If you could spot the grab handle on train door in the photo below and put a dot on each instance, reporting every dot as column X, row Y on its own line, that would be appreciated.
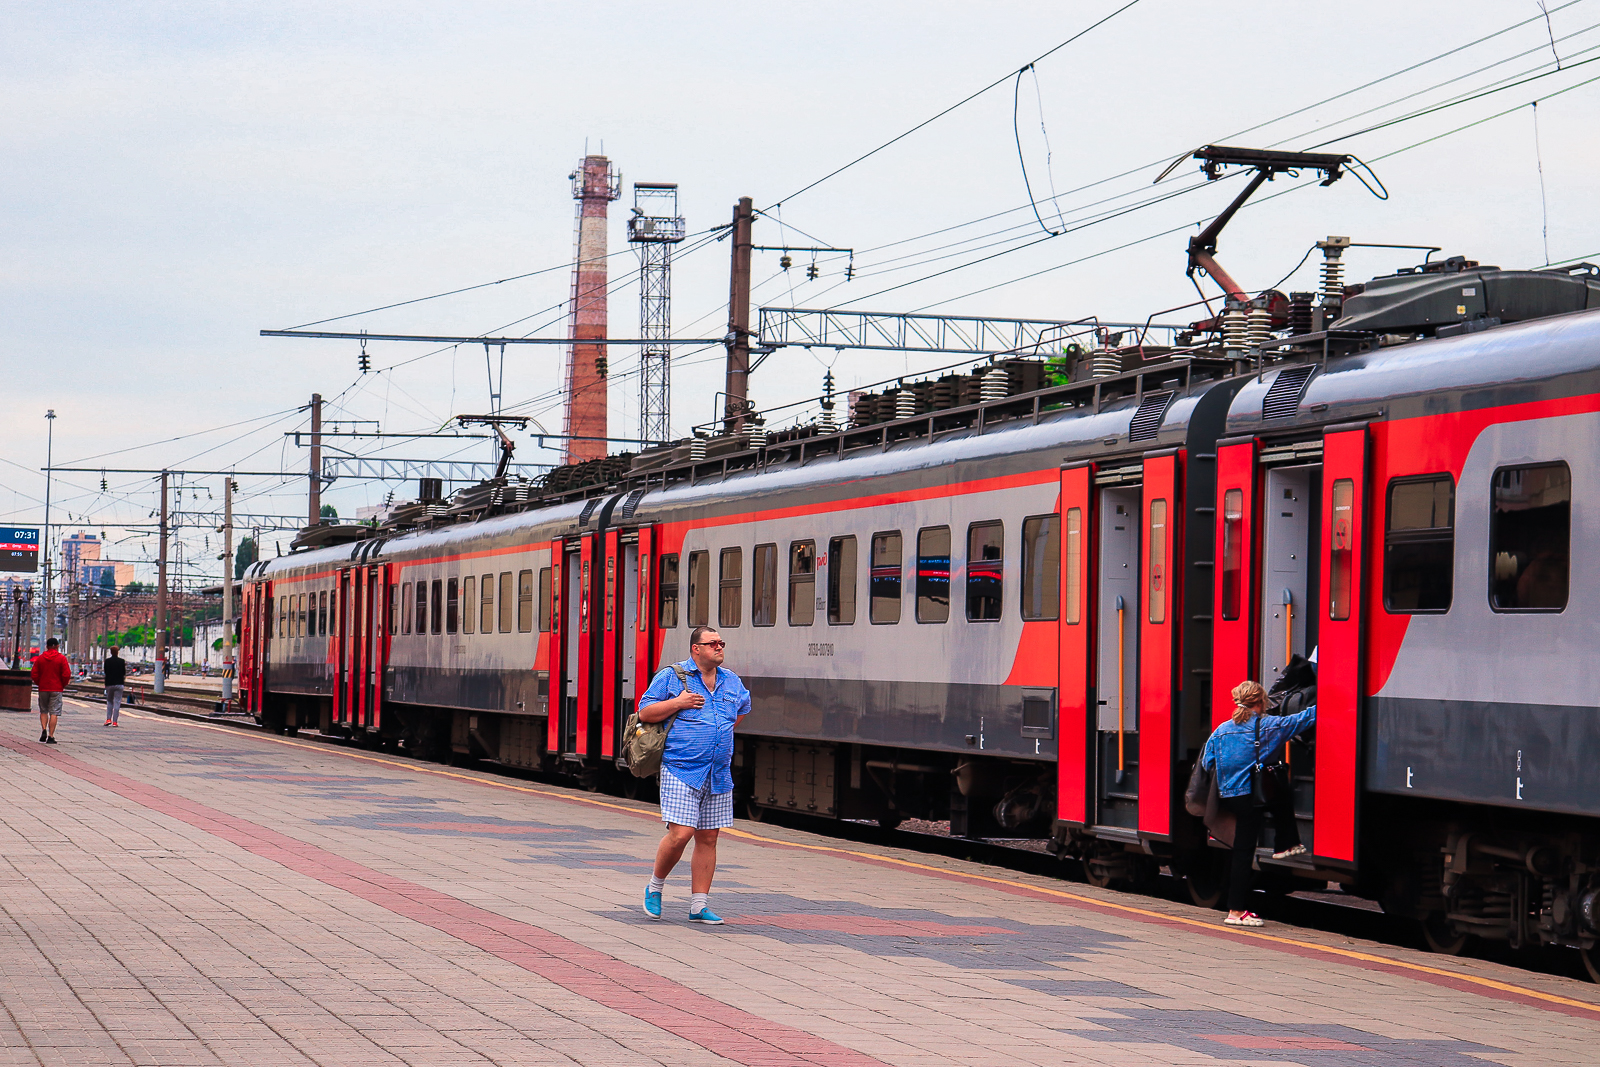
column 1288, row 642
column 1122, row 637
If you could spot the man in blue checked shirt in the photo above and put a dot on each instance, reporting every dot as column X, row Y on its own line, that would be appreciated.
column 696, row 768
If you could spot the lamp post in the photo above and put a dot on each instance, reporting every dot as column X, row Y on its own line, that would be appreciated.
column 49, row 453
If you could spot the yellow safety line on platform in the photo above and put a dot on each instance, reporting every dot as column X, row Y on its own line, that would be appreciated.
column 1364, row 957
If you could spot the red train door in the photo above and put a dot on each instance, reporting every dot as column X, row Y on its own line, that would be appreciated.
column 560, row 653
column 1160, row 609
column 584, row 714
column 341, row 648
column 1342, row 605
column 247, row 660
column 1075, row 744
column 644, row 619
column 378, row 641
column 610, row 644
column 358, row 647
column 1234, row 608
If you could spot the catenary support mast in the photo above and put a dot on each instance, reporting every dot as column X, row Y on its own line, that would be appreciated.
column 738, row 378
column 655, row 227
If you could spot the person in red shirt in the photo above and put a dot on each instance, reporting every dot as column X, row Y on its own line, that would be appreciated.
column 51, row 673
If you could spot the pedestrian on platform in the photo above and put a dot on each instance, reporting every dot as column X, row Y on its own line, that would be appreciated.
column 51, row 673
column 696, row 767
column 1234, row 753
column 116, row 679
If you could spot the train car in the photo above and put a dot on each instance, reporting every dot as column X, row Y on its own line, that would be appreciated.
column 1022, row 608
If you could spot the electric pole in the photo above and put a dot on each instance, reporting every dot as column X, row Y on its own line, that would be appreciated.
column 738, row 340
column 227, row 592
column 159, row 680
column 316, row 459
column 49, row 452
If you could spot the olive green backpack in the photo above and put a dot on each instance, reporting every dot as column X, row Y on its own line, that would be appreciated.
column 644, row 743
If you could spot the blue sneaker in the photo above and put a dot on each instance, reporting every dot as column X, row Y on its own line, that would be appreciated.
column 705, row 915
column 652, row 903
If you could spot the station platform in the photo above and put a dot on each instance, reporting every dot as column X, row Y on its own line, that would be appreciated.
column 175, row 892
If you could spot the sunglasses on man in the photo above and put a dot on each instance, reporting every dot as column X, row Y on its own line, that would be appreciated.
column 711, row 644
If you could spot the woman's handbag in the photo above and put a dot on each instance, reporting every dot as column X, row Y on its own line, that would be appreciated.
column 1194, row 797
column 1269, row 783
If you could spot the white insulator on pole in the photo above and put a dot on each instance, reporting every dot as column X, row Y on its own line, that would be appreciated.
column 905, row 402
column 996, row 384
column 1258, row 328
column 1235, row 327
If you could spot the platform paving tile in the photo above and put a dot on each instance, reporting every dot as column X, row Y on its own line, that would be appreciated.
column 199, row 894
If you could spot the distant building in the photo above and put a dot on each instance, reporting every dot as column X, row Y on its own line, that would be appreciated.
column 80, row 560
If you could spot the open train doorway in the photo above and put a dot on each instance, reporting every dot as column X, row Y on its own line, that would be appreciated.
column 1117, row 694
column 1290, row 561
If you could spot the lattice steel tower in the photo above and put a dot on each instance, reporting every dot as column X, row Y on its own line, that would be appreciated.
column 655, row 227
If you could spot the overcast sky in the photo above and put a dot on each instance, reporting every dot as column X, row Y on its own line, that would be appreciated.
column 179, row 176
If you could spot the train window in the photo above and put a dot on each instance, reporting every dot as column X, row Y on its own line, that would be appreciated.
column 506, row 604
column 436, row 616
column 1159, row 584
column 394, row 610
column 1232, row 551
column 883, row 604
column 1074, row 565
column 469, row 593
column 1041, row 562
column 1530, row 538
column 525, row 602
column 802, row 583
column 933, row 574
column 322, row 613
column 699, row 588
column 269, row 607
column 985, row 571
column 730, row 586
column 668, row 608
column 1342, row 549
column 405, row 608
column 842, row 581
column 452, row 605
column 302, row 611
column 283, row 615
column 545, row 586
column 1419, row 545
column 764, row 586
column 486, row 604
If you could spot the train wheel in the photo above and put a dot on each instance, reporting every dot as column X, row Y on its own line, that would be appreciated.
column 1591, row 961
column 1100, row 875
column 1440, row 938
column 1207, row 880
column 754, row 812
column 892, row 820
column 630, row 784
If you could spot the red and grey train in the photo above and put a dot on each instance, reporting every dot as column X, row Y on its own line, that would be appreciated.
column 1031, row 608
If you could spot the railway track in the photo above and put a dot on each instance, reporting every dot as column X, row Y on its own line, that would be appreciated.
column 1327, row 911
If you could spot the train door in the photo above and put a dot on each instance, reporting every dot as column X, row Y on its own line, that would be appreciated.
column 1342, row 608
column 1234, row 609
column 559, row 657
column 1161, row 606
column 358, row 647
column 1117, row 666
column 574, row 660
column 584, row 720
column 625, row 642
column 377, row 631
column 1076, row 575
column 341, row 649
column 611, row 631
column 643, row 614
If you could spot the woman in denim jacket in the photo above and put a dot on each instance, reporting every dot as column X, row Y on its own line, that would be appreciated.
column 1231, row 753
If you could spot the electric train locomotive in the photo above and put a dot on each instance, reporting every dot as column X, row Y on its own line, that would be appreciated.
column 1021, row 605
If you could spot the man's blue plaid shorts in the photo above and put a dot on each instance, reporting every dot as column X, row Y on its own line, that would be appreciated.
column 682, row 805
